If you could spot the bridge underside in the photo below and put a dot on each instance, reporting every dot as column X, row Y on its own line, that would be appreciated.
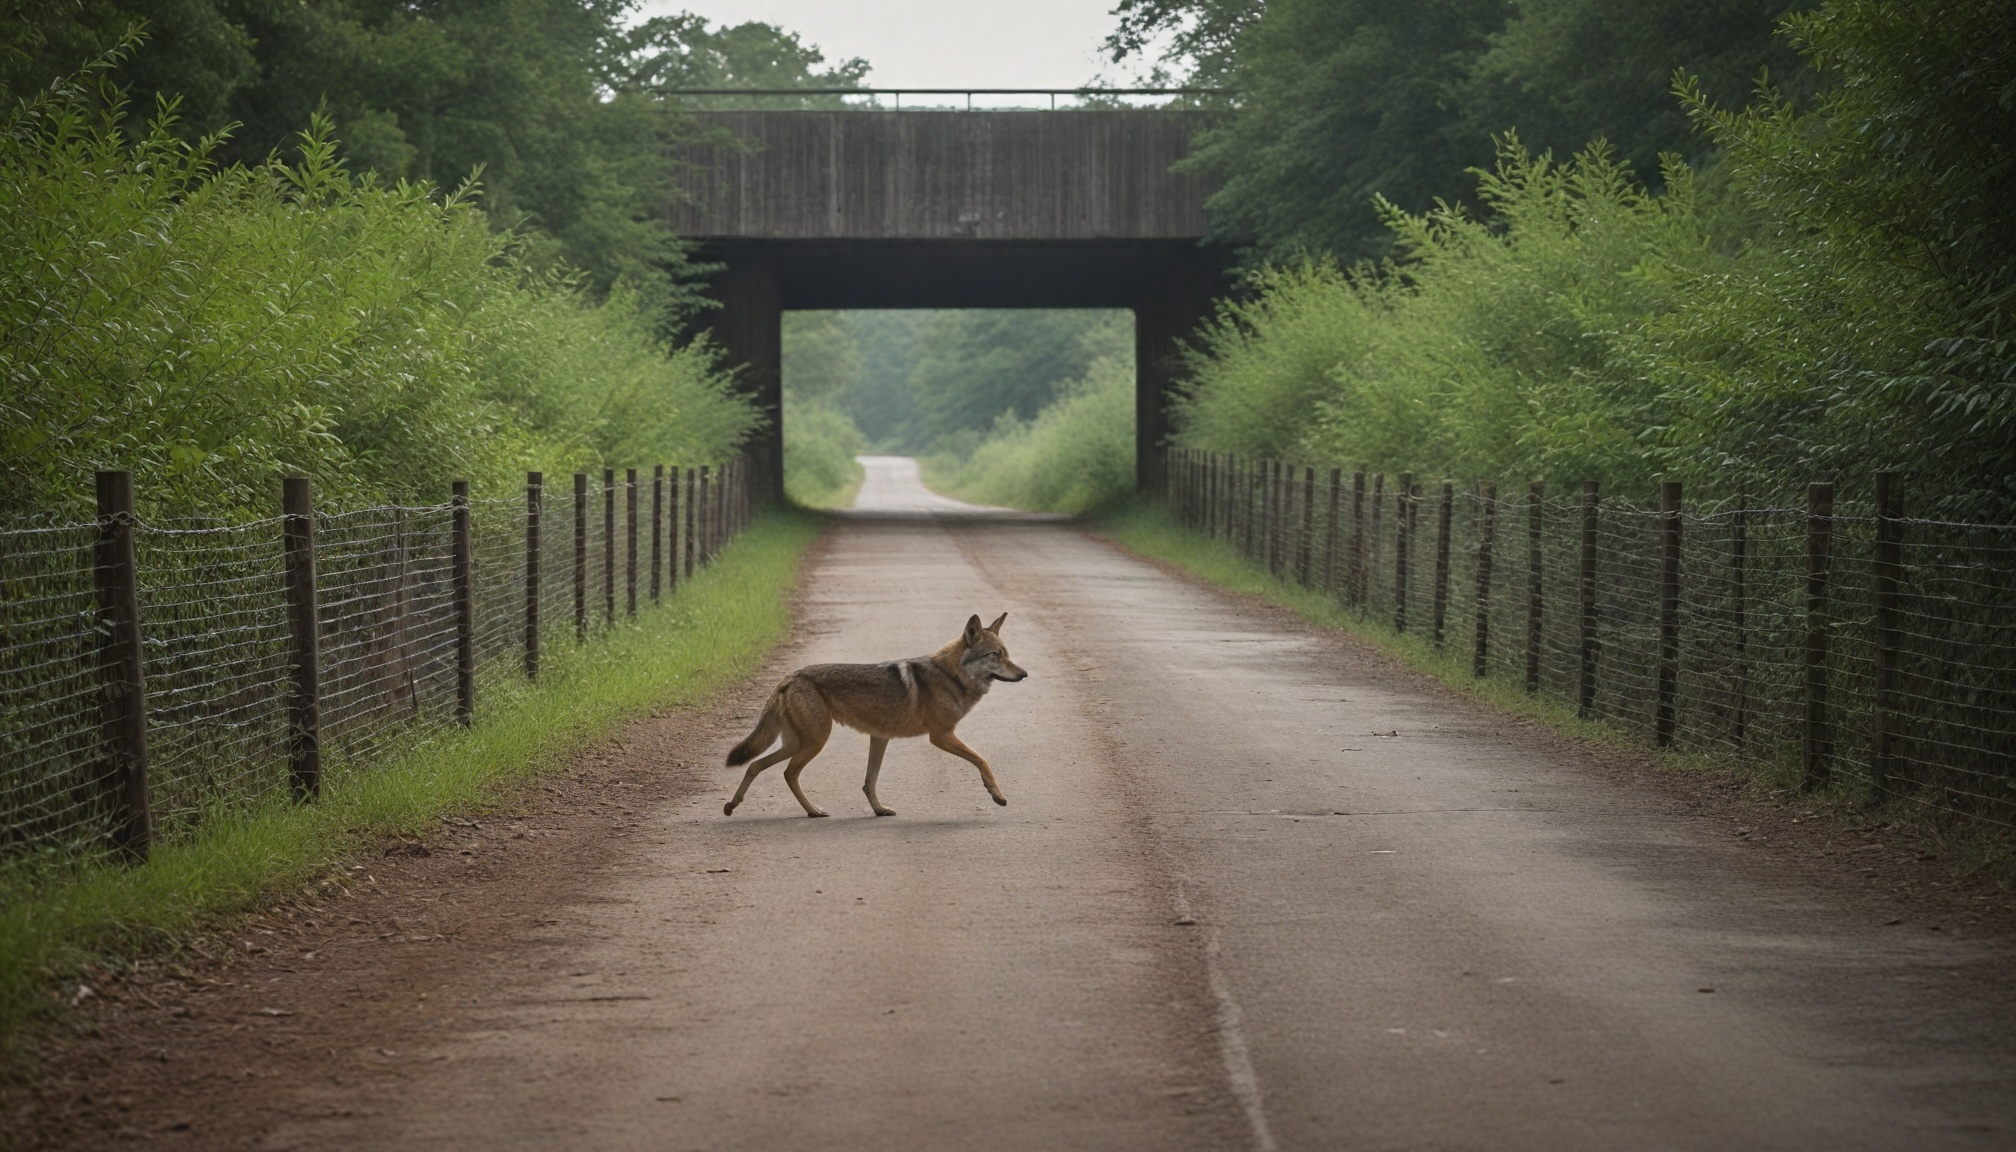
column 1168, row 284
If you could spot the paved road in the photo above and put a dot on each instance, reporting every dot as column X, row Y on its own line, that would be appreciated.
column 1220, row 911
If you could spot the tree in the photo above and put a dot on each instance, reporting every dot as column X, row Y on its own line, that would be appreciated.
column 548, row 101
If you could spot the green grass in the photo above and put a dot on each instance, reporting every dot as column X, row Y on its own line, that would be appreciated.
column 1147, row 529
column 716, row 630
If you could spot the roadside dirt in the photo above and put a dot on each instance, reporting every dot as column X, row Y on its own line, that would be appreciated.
column 340, row 986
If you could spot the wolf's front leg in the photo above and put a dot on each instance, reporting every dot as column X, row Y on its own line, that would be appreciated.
column 876, row 746
column 957, row 747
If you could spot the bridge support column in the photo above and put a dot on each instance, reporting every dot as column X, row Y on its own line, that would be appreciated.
column 750, row 327
column 1161, row 321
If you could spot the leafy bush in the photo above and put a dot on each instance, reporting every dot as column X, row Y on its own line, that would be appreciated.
column 213, row 328
column 820, row 443
column 1834, row 296
column 1076, row 455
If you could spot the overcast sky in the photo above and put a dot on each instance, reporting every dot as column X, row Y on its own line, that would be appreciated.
column 938, row 43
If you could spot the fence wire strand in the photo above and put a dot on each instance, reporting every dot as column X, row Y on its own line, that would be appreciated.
column 217, row 647
column 1744, row 628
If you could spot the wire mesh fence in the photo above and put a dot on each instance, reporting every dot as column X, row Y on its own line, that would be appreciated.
column 418, row 612
column 1847, row 647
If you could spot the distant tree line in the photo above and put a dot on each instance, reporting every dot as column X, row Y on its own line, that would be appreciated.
column 548, row 103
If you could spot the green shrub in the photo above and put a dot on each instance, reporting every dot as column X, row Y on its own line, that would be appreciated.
column 820, row 443
column 1076, row 455
column 213, row 328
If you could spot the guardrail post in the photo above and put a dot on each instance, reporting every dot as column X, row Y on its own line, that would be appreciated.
column 465, row 606
column 535, row 497
column 1585, row 703
column 1443, row 515
column 1669, row 610
column 1403, row 498
column 1819, row 742
column 304, row 702
column 116, row 575
column 1888, row 586
column 1487, row 494
column 1536, row 497
column 657, row 521
column 630, row 542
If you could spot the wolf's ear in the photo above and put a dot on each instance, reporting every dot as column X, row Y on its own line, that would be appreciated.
column 995, row 627
column 973, row 629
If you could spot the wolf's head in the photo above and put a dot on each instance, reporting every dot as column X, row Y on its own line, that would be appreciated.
column 986, row 658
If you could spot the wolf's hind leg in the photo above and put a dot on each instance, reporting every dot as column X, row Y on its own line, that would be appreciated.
column 818, row 727
column 957, row 747
column 755, row 770
column 876, row 746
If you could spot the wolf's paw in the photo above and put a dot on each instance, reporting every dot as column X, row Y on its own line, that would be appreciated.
column 728, row 809
column 1001, row 800
column 816, row 813
column 885, row 811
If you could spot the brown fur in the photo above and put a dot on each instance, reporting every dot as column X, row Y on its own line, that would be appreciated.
column 922, row 696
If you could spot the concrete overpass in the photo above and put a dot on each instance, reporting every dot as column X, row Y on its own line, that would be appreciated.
column 931, row 209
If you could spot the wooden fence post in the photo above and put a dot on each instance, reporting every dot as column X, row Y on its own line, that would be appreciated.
column 304, row 703
column 116, row 575
column 1536, row 498
column 1330, row 532
column 608, row 547
column 580, row 557
column 1586, row 697
column 1487, row 494
column 1739, row 547
column 1355, row 578
column 1888, row 580
column 630, row 542
column 692, row 519
column 1669, row 611
column 1444, row 513
column 672, row 506
column 535, row 496
column 1372, row 544
column 1273, row 503
column 1402, row 498
column 464, row 581
column 1819, row 742
column 706, row 510
column 1308, row 522
column 657, row 522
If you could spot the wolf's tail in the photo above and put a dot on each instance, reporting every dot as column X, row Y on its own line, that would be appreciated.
column 768, row 726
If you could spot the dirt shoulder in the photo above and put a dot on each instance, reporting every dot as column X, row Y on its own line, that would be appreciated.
column 339, row 984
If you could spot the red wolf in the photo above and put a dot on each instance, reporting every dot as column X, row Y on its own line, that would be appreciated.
column 921, row 696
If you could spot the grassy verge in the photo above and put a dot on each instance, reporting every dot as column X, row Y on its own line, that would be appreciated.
column 1147, row 529
column 717, row 629
column 829, row 498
